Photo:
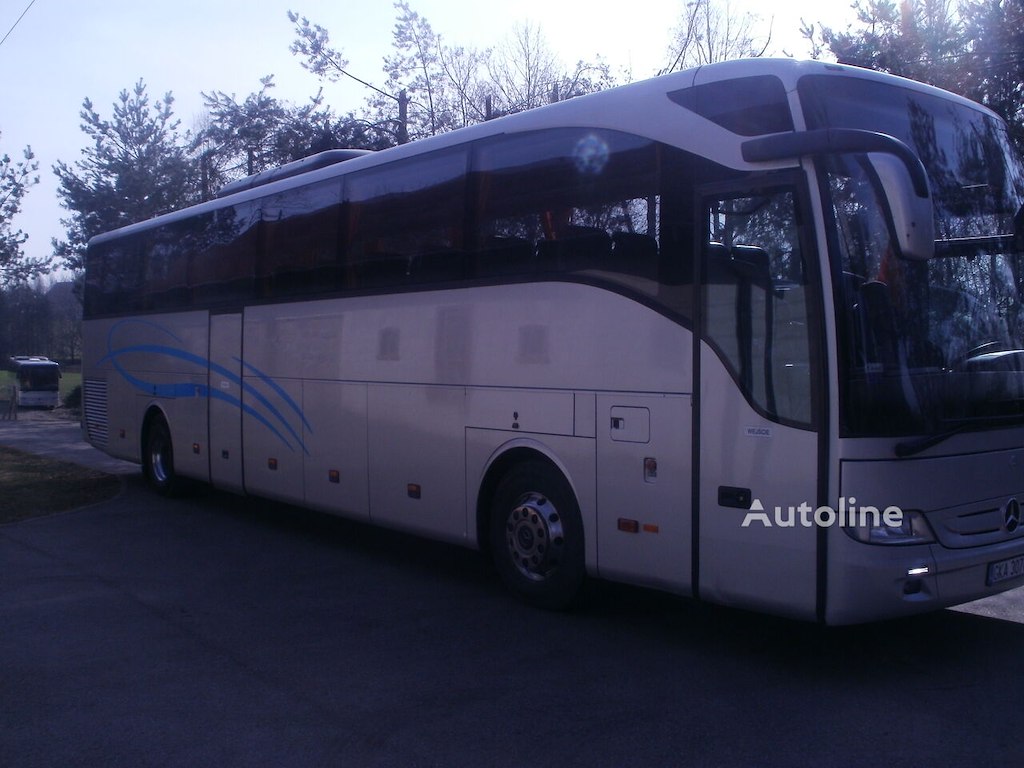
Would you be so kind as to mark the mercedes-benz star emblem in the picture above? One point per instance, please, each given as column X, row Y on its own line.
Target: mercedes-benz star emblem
column 1011, row 516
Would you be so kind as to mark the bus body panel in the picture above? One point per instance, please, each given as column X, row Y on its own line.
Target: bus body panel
column 337, row 467
column 398, row 414
column 967, row 518
column 935, row 486
column 867, row 583
column 312, row 397
column 156, row 362
column 644, row 489
column 225, row 387
column 31, row 399
column 113, row 420
column 186, row 414
column 543, row 411
column 273, row 429
column 37, row 399
column 549, row 335
column 746, row 462
column 416, row 445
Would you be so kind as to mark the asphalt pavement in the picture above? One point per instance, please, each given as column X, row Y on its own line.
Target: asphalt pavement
column 218, row 630
column 58, row 435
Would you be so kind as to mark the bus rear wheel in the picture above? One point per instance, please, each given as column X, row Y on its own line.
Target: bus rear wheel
column 158, row 458
column 536, row 535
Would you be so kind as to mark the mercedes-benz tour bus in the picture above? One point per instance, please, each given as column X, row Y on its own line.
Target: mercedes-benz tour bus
column 750, row 333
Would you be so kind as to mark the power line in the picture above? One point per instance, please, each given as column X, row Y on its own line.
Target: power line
column 16, row 23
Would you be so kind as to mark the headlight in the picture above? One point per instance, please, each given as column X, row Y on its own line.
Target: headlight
column 906, row 527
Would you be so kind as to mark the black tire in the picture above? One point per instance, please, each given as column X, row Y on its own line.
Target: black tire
column 536, row 535
column 158, row 458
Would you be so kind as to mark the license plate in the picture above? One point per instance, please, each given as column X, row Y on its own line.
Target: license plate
column 1005, row 570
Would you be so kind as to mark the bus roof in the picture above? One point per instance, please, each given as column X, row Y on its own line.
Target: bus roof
column 602, row 109
column 16, row 361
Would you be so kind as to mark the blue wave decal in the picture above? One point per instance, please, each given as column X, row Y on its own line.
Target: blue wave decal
column 180, row 390
column 277, row 388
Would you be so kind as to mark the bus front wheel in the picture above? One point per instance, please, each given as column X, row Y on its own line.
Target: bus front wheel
column 536, row 535
column 158, row 458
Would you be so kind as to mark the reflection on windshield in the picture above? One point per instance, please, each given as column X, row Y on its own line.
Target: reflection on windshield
column 926, row 346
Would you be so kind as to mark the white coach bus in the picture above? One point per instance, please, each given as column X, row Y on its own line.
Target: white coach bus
column 674, row 334
column 36, row 381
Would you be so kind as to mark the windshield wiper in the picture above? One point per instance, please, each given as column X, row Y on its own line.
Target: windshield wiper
column 913, row 447
column 906, row 448
column 971, row 246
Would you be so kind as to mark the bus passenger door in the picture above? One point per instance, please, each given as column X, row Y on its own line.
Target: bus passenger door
column 225, row 401
column 757, row 437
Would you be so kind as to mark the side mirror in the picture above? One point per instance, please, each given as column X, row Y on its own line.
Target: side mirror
column 900, row 171
column 912, row 215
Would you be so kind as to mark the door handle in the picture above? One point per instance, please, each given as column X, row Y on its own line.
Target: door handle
column 737, row 498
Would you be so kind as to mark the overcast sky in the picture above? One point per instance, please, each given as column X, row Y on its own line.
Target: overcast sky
column 65, row 50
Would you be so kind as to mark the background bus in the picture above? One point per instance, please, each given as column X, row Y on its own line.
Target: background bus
column 36, row 381
column 595, row 338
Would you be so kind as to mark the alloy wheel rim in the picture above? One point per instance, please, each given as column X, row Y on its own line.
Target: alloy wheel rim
column 534, row 536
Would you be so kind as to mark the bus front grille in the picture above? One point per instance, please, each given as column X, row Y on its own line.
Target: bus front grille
column 962, row 528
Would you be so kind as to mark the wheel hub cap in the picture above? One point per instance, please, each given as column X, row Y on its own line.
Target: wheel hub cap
column 534, row 536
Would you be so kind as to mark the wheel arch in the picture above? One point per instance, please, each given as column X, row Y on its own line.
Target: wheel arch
column 152, row 412
column 498, row 465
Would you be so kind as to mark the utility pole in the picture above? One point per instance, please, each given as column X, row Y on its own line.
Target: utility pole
column 204, row 172
column 403, row 117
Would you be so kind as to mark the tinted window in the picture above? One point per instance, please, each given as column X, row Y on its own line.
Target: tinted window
column 224, row 257
column 924, row 345
column 169, row 252
column 749, row 106
column 406, row 222
column 755, row 300
column 582, row 204
column 975, row 178
column 301, row 249
column 115, row 273
column 599, row 205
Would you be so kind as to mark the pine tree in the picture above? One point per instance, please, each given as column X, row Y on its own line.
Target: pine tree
column 137, row 167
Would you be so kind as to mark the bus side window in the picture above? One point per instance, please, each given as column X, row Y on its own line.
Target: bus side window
column 755, row 301
column 223, row 268
column 406, row 222
column 169, row 252
column 568, row 193
column 575, row 247
column 634, row 253
column 301, row 237
column 506, row 255
column 123, row 275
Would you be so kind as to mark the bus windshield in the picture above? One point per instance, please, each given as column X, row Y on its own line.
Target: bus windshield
column 35, row 374
column 43, row 377
column 937, row 346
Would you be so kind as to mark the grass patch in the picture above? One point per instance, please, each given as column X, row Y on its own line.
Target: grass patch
column 32, row 486
column 68, row 381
